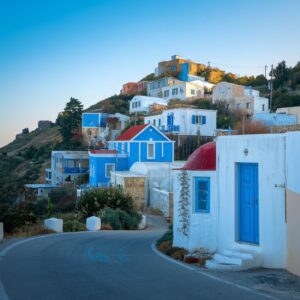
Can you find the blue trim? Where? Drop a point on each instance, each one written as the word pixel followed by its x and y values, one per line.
pixel 193 119
pixel 202 205
pixel 248 207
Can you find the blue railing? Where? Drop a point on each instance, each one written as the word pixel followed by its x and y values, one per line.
pixel 75 170
pixel 169 128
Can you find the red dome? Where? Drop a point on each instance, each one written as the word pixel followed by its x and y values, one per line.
pixel 202 159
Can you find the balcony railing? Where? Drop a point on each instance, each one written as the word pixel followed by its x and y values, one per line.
pixel 169 128
pixel 75 170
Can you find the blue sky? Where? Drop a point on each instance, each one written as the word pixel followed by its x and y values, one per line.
pixel 52 50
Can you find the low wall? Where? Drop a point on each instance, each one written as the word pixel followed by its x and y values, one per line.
pixel 293 224
pixel 163 201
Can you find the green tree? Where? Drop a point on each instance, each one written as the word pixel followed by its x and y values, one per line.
pixel 281 74
pixel 70 120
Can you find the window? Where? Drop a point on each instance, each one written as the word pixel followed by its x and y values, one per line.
pixel 166 94
pixel 175 91
pixel 198 119
pixel 263 107
pixel 193 92
pixel 239 106
pixel 181 90
pixel 154 122
pixel 150 151
pixel 159 122
pixel 248 105
pixel 108 169
pixel 202 194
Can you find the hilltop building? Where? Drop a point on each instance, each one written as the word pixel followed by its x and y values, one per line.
pixel 131 88
pixel 142 104
pixel 185 121
pixel 240 97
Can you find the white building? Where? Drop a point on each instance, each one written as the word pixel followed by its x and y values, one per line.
pixel 186 90
pixel 240 97
pixel 183 91
pixel 141 104
pixel 249 208
pixel 185 121
pixel 66 166
pixel 199 172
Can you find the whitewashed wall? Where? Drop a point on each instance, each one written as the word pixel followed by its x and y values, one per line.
pixel 160 200
pixel 259 102
pixel 203 226
pixel 269 152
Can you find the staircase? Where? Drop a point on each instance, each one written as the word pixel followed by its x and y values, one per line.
pixel 234 260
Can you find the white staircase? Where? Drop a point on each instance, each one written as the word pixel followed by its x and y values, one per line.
pixel 234 260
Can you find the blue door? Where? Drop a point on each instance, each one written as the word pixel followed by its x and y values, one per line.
pixel 248 223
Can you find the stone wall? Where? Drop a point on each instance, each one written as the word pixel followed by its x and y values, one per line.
pixel 136 187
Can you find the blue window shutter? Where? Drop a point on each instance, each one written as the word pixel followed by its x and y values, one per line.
pixel 202 194
pixel 193 119
pixel 203 119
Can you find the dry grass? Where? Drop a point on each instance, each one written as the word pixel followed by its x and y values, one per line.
pixel 29 230
pixel 105 226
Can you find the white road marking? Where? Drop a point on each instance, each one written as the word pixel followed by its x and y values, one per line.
pixel 204 273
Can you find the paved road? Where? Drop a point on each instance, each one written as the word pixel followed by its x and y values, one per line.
pixel 104 265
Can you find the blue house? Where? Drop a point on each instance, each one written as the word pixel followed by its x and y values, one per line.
pixel 141 143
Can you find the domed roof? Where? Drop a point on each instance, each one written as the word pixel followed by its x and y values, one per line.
pixel 202 159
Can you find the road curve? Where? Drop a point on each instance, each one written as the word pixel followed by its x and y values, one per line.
pixel 104 265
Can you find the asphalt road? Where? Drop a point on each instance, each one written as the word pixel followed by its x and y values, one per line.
pixel 104 265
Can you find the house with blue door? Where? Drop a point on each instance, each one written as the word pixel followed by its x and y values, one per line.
pixel 242 202
pixel 185 121
pixel 141 143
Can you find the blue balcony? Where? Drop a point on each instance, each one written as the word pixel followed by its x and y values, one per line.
pixel 75 170
pixel 169 128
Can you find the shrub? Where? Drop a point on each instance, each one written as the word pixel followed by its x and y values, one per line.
pixel 168 236
pixel 91 202
pixel 73 226
pixel 177 253
pixel 63 199
pixel 119 219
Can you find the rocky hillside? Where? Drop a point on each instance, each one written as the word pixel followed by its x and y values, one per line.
pixel 24 161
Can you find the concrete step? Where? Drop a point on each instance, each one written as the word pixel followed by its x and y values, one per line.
pixel 234 260
pixel 237 253
pixel 214 265
pixel 231 260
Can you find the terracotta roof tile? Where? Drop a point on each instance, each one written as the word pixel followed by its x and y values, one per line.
pixel 131 132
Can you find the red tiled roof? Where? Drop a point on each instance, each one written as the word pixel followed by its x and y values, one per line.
pixel 104 151
pixel 202 159
pixel 131 132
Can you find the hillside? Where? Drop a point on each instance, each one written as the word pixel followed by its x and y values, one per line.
pixel 24 161
pixel 113 104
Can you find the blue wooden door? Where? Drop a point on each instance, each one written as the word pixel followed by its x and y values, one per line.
pixel 248 219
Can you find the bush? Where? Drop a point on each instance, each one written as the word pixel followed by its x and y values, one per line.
pixel 91 202
pixel 63 199
pixel 177 253
pixel 119 219
pixel 168 236
pixel 73 226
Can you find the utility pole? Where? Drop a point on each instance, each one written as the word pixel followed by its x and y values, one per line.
pixel 266 71
pixel 271 88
